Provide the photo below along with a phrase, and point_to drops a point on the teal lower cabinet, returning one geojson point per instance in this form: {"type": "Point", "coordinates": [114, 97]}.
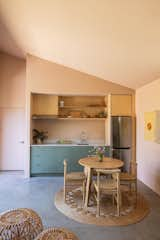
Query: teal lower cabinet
{"type": "Point", "coordinates": [48, 160]}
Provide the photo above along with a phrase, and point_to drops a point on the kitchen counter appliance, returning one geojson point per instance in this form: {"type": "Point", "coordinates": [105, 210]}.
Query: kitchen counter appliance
{"type": "Point", "coordinates": [121, 139]}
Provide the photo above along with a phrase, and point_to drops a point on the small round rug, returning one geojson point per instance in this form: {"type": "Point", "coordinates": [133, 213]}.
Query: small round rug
{"type": "Point", "coordinates": [130, 212]}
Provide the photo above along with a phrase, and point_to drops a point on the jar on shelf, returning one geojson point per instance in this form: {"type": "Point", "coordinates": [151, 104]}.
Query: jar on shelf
{"type": "Point", "coordinates": [61, 103]}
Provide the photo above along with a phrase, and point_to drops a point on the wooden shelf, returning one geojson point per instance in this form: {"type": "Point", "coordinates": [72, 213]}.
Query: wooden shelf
{"type": "Point", "coordinates": [44, 117]}
{"type": "Point", "coordinates": [52, 117]}
{"type": "Point", "coordinates": [82, 107]}
{"type": "Point", "coordinates": [102, 119]}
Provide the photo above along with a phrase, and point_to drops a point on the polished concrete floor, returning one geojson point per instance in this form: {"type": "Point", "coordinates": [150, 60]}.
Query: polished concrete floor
{"type": "Point", "coordinates": [38, 194]}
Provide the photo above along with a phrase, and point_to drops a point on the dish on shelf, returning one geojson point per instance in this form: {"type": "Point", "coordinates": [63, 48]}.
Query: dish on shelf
{"type": "Point", "coordinates": [75, 114]}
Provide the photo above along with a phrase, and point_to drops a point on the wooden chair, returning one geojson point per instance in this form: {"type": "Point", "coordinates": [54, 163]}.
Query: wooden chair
{"type": "Point", "coordinates": [130, 178]}
{"type": "Point", "coordinates": [108, 185]}
{"type": "Point", "coordinates": [56, 233]}
{"type": "Point", "coordinates": [20, 223]}
{"type": "Point", "coordinates": [73, 179]}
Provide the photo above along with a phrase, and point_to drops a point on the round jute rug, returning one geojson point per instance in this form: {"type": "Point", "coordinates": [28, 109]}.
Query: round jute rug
{"type": "Point", "coordinates": [131, 212]}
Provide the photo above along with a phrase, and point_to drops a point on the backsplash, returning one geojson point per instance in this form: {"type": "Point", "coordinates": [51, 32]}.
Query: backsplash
{"type": "Point", "coordinates": [72, 129]}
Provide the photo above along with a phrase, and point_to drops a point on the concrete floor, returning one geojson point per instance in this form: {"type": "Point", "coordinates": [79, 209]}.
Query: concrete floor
{"type": "Point", "coordinates": [38, 194]}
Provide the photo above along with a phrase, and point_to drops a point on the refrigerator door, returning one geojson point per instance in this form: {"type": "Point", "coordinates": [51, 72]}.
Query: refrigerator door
{"type": "Point", "coordinates": [121, 132]}
{"type": "Point", "coordinates": [125, 156]}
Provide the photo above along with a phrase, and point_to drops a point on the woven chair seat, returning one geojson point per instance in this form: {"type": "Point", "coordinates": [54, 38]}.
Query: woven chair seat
{"type": "Point", "coordinates": [106, 184]}
{"type": "Point", "coordinates": [56, 234]}
{"type": "Point", "coordinates": [76, 176]}
{"type": "Point", "coordinates": [127, 177]}
{"type": "Point", "coordinates": [20, 224]}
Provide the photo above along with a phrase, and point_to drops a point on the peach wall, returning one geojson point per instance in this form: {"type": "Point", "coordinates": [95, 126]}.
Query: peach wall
{"type": "Point", "coordinates": [47, 77]}
{"type": "Point", "coordinates": [12, 81]}
{"type": "Point", "coordinates": [71, 129]}
{"type": "Point", "coordinates": [148, 153]}
{"type": "Point", "coordinates": [12, 112]}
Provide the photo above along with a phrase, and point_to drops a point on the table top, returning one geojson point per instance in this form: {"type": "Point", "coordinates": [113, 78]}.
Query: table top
{"type": "Point", "coordinates": [107, 163]}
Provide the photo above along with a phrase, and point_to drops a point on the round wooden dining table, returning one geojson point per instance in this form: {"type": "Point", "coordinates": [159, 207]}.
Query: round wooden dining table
{"type": "Point", "coordinates": [91, 163]}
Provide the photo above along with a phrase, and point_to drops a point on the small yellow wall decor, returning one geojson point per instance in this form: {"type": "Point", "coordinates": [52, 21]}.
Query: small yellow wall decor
{"type": "Point", "coordinates": [152, 126]}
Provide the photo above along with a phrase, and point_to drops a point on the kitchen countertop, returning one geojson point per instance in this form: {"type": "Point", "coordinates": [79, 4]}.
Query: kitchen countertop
{"type": "Point", "coordinates": [65, 145]}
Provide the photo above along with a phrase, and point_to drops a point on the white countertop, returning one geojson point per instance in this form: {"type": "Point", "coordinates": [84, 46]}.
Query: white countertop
{"type": "Point", "coordinates": [65, 145]}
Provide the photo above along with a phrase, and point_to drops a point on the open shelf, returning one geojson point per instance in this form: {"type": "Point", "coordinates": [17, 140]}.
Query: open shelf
{"type": "Point", "coordinates": [82, 107]}
{"type": "Point", "coordinates": [72, 118]}
{"type": "Point", "coordinates": [52, 117]}
{"type": "Point", "coordinates": [44, 117]}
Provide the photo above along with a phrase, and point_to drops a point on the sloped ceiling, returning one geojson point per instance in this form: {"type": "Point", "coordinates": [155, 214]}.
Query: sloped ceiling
{"type": "Point", "coordinates": [117, 40]}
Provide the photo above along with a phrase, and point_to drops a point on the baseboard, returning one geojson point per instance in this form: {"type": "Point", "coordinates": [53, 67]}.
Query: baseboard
{"type": "Point", "coordinates": [12, 172]}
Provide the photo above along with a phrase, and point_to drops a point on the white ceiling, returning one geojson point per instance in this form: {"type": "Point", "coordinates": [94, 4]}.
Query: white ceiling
{"type": "Point", "coordinates": [118, 40]}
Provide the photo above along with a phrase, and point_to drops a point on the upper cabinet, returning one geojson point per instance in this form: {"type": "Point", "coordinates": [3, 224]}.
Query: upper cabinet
{"type": "Point", "coordinates": [120, 105]}
{"type": "Point", "coordinates": [43, 104]}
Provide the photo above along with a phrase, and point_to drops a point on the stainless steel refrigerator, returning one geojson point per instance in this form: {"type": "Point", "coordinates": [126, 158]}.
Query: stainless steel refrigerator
{"type": "Point", "coordinates": [121, 139]}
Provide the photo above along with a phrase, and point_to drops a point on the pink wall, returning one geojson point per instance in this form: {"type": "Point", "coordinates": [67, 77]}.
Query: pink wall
{"type": "Point", "coordinates": [12, 112]}
{"type": "Point", "coordinates": [148, 152]}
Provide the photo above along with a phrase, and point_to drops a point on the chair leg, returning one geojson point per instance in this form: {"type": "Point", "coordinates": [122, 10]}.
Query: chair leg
{"type": "Point", "coordinates": [120, 199]}
{"type": "Point", "coordinates": [136, 186]}
{"type": "Point", "coordinates": [83, 191]}
{"type": "Point", "coordinates": [118, 203]}
{"type": "Point", "coordinates": [130, 187]}
{"type": "Point", "coordinates": [64, 192]}
{"type": "Point", "coordinates": [113, 199]}
{"type": "Point", "coordinates": [98, 204]}
{"type": "Point", "coordinates": [136, 192]}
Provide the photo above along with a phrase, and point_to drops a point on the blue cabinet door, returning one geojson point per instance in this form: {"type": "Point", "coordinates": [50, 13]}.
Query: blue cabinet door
{"type": "Point", "coordinates": [49, 160]}
{"type": "Point", "coordinates": [75, 154]}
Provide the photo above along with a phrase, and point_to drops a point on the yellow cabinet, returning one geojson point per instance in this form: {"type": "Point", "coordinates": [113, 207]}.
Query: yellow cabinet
{"type": "Point", "coordinates": [43, 104]}
{"type": "Point", "coordinates": [121, 105]}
